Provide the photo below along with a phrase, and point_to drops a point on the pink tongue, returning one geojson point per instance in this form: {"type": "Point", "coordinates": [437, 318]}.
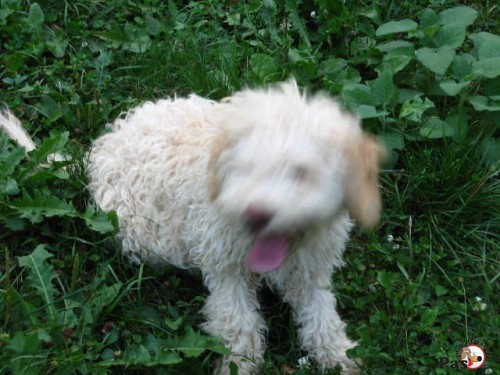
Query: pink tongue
{"type": "Point", "coordinates": [267, 253]}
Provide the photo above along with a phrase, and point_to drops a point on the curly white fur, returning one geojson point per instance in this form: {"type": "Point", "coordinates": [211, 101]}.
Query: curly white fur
{"type": "Point", "coordinates": [206, 184]}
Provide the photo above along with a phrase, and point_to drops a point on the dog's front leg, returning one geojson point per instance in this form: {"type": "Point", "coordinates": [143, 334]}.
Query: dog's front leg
{"type": "Point", "coordinates": [232, 313]}
{"type": "Point", "coordinates": [322, 331]}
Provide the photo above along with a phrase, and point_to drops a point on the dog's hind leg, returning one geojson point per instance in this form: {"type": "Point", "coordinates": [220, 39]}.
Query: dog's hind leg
{"type": "Point", "coordinates": [232, 312]}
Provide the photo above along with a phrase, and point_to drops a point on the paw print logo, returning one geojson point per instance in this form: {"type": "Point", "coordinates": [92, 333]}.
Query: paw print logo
{"type": "Point", "coordinates": [473, 356]}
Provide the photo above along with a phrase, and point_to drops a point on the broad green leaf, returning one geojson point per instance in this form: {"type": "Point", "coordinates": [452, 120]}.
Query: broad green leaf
{"type": "Point", "coordinates": [174, 324]}
{"type": "Point", "coordinates": [428, 17]}
{"type": "Point", "coordinates": [166, 358]}
{"type": "Point", "coordinates": [394, 27]}
{"type": "Point", "coordinates": [462, 66]}
{"type": "Point", "coordinates": [57, 46]}
{"type": "Point", "coordinates": [368, 111]}
{"type": "Point", "coordinates": [297, 55]}
{"type": "Point", "coordinates": [461, 15]}
{"type": "Point", "coordinates": [68, 315]}
{"type": "Point", "coordinates": [5, 12]}
{"type": "Point", "coordinates": [489, 68]}
{"type": "Point", "coordinates": [333, 66]}
{"type": "Point", "coordinates": [100, 299]}
{"type": "Point", "coordinates": [355, 94]}
{"type": "Point", "coordinates": [440, 290]}
{"type": "Point", "coordinates": [10, 188]}
{"type": "Point", "coordinates": [233, 19]}
{"type": "Point", "coordinates": [435, 128]}
{"type": "Point", "coordinates": [21, 347]}
{"type": "Point", "coordinates": [53, 144]}
{"type": "Point", "coordinates": [152, 353]}
{"type": "Point", "coordinates": [270, 4]}
{"type": "Point", "coordinates": [392, 140]}
{"type": "Point", "coordinates": [138, 355]}
{"type": "Point", "coordinates": [40, 276]}
{"type": "Point", "coordinates": [450, 35]}
{"type": "Point", "coordinates": [192, 344]}
{"type": "Point", "coordinates": [386, 279]}
{"type": "Point", "coordinates": [104, 59]}
{"type": "Point", "coordinates": [429, 316]}
{"type": "Point", "coordinates": [52, 109]}
{"type": "Point", "coordinates": [487, 45]}
{"type": "Point", "coordinates": [490, 149]}
{"type": "Point", "coordinates": [430, 31]}
{"type": "Point", "coordinates": [135, 39]}
{"type": "Point", "coordinates": [23, 342]}
{"type": "Point", "coordinates": [40, 176]}
{"type": "Point", "coordinates": [9, 160]}
{"type": "Point", "coordinates": [264, 66]}
{"type": "Point", "coordinates": [383, 89]}
{"type": "Point", "coordinates": [436, 59]}
{"type": "Point", "coordinates": [372, 12]}
{"type": "Point", "coordinates": [155, 27]}
{"type": "Point", "coordinates": [393, 63]}
{"type": "Point", "coordinates": [11, 220]}
{"type": "Point", "coordinates": [483, 103]}
{"type": "Point", "coordinates": [99, 221]}
{"type": "Point", "coordinates": [35, 16]}
{"type": "Point", "coordinates": [339, 73]}
{"type": "Point", "coordinates": [407, 95]}
{"type": "Point", "coordinates": [43, 204]}
{"type": "Point", "coordinates": [452, 88]}
{"type": "Point", "coordinates": [395, 44]}
{"type": "Point", "coordinates": [414, 110]}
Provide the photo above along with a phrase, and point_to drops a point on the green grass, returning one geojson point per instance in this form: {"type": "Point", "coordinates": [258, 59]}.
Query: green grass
{"type": "Point", "coordinates": [428, 86]}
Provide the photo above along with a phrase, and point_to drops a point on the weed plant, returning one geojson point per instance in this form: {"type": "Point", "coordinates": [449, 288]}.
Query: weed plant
{"type": "Point", "coordinates": [424, 76]}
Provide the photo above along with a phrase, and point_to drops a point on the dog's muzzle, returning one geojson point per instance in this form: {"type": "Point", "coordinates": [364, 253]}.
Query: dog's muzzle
{"type": "Point", "coordinates": [257, 218]}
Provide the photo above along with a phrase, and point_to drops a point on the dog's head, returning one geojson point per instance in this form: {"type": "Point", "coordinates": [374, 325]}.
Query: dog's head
{"type": "Point", "coordinates": [283, 162]}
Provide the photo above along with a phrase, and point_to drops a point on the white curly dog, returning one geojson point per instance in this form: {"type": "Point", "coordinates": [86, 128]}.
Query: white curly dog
{"type": "Point", "coordinates": [254, 189]}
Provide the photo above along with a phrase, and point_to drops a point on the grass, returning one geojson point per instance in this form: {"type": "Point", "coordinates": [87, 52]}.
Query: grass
{"type": "Point", "coordinates": [411, 292]}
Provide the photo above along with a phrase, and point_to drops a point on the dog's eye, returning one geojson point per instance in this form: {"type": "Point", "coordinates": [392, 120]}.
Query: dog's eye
{"type": "Point", "coordinates": [299, 173]}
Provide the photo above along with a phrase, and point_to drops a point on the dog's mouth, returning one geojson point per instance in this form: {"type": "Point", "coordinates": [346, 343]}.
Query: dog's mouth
{"type": "Point", "coordinates": [270, 249]}
{"type": "Point", "coordinates": [268, 252]}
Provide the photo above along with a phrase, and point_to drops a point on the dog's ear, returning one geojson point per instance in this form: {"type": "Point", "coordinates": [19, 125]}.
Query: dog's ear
{"type": "Point", "coordinates": [361, 186]}
{"type": "Point", "coordinates": [231, 125]}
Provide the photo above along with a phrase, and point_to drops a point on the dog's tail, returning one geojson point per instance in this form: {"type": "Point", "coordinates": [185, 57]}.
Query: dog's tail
{"type": "Point", "coordinates": [11, 125]}
{"type": "Point", "coordinates": [15, 130]}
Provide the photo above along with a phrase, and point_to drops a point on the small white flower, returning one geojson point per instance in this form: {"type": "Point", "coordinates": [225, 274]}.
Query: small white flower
{"type": "Point", "coordinates": [313, 14]}
{"type": "Point", "coordinates": [479, 305]}
{"type": "Point", "coordinates": [390, 238]}
{"type": "Point", "coordinates": [395, 247]}
{"type": "Point", "coordinates": [304, 362]}
{"type": "Point", "coordinates": [488, 371]}
{"type": "Point", "coordinates": [84, 44]}
{"type": "Point", "coordinates": [285, 24]}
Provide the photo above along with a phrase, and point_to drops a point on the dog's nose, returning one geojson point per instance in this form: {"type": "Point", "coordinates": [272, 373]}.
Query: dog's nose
{"type": "Point", "coordinates": [257, 217]}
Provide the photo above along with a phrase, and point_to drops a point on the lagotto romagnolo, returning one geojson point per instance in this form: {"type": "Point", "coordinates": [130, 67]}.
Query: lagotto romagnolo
{"type": "Point", "coordinates": [257, 188]}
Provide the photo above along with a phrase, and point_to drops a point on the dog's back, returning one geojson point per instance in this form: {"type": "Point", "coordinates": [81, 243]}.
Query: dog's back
{"type": "Point", "coordinates": [150, 169]}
